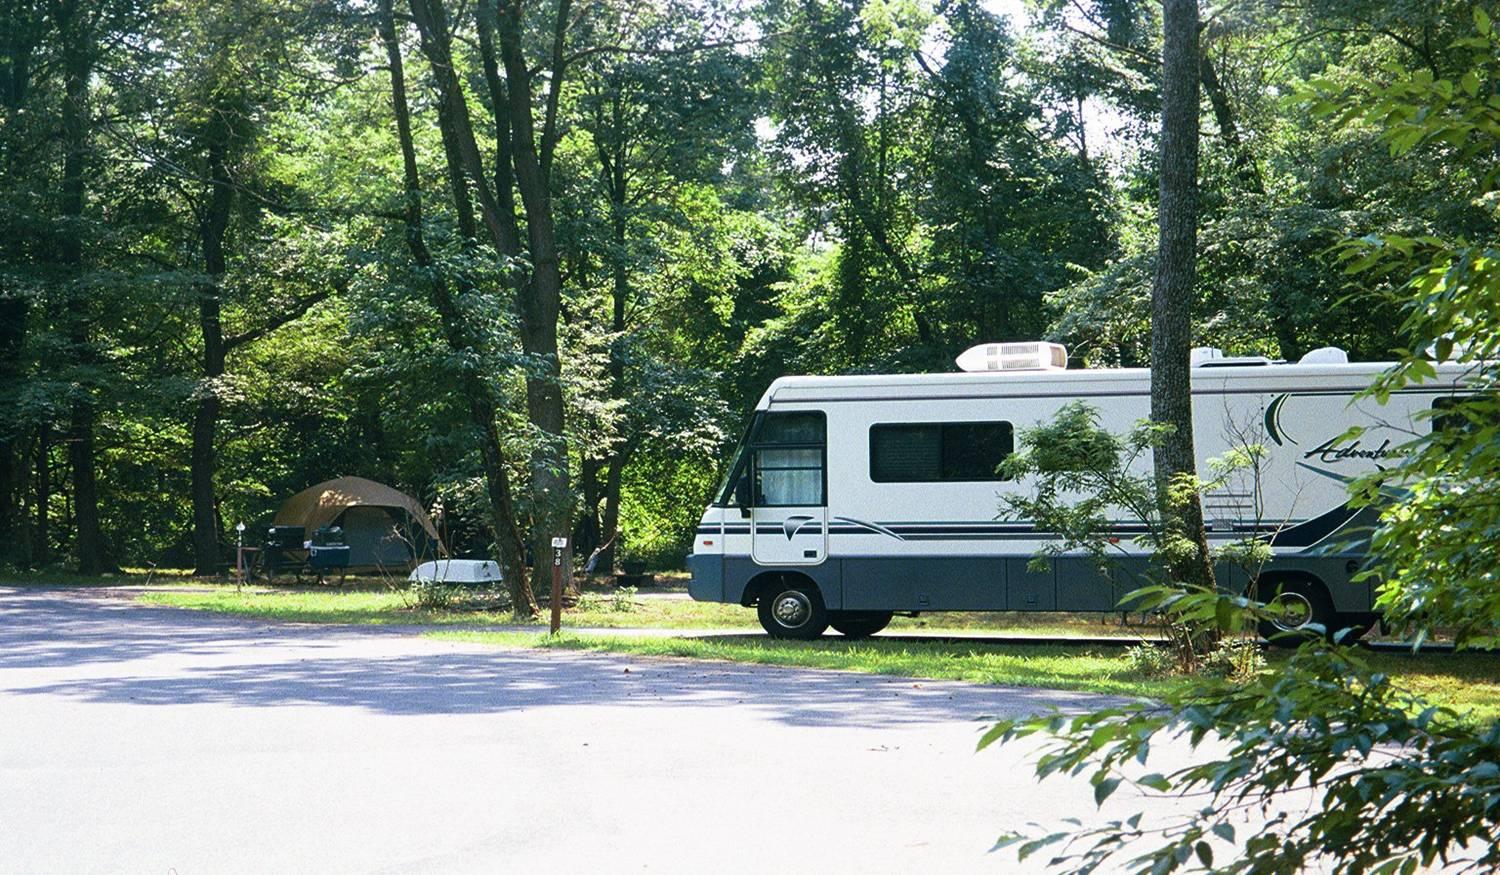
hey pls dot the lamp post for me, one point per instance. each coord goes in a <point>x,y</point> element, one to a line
<point>239,555</point>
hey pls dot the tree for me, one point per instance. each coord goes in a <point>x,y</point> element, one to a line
<point>529,148</point>
<point>76,23</point>
<point>661,127</point>
<point>1172,299</point>
<point>462,340</point>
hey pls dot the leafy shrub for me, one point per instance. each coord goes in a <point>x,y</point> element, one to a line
<point>1236,658</point>
<point>433,595</point>
<point>1149,660</point>
<point>621,600</point>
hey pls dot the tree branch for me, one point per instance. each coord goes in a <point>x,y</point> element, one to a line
<point>296,311</point>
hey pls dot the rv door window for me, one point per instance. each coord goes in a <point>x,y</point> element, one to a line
<point>788,460</point>
<point>939,451</point>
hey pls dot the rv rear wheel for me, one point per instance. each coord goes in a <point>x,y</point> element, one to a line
<point>1304,605</point>
<point>792,611</point>
<point>859,624</point>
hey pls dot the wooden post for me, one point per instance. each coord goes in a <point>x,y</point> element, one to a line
<point>239,556</point>
<point>559,546</point>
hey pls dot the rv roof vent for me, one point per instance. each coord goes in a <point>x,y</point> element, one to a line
<point>1325,355</point>
<point>1032,356</point>
<point>1202,354</point>
<point>1213,357</point>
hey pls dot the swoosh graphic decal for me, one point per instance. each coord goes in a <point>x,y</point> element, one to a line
<point>877,529</point>
<point>1395,492</point>
<point>1273,420</point>
<point>793,524</point>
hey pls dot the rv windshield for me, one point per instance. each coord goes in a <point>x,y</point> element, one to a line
<point>724,496</point>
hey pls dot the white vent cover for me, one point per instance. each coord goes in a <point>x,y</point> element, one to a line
<point>1030,356</point>
<point>1325,355</point>
<point>1202,354</point>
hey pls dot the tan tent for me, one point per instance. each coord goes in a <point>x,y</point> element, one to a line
<point>383,526</point>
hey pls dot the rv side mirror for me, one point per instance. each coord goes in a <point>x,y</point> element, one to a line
<point>742,494</point>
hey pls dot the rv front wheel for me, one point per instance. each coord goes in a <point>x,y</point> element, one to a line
<point>792,611</point>
<point>859,624</point>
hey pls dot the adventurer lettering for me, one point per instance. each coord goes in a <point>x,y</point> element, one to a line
<point>1328,453</point>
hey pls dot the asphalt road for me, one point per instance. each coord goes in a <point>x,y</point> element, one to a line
<point>146,740</point>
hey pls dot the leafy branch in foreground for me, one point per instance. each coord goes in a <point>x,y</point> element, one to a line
<point>1390,784</point>
<point>1447,574</point>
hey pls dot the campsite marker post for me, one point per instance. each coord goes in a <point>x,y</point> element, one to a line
<point>239,554</point>
<point>558,546</point>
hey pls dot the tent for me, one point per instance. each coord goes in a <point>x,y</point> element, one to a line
<point>383,527</point>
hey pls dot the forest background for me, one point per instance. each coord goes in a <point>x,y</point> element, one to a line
<point>536,259</point>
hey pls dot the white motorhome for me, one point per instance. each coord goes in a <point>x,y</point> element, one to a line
<point>854,498</point>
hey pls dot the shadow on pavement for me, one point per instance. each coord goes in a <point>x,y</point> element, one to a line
<point>152,656</point>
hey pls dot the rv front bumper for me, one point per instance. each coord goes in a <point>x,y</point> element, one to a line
<point>707,583</point>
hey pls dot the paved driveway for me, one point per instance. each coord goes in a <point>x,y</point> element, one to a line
<point>146,740</point>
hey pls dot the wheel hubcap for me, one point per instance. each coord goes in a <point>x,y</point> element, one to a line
<point>1296,611</point>
<point>792,609</point>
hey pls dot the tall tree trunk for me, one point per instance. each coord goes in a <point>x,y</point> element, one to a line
<point>610,530</point>
<point>207,554</point>
<point>13,324</point>
<point>88,543</point>
<point>1172,291</point>
<point>41,549</point>
<point>482,409</point>
<point>618,182</point>
<point>541,299</point>
<point>586,537</point>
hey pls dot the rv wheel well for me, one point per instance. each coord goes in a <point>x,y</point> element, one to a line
<point>1266,583</point>
<point>761,583</point>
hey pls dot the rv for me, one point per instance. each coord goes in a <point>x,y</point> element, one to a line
<point>854,498</point>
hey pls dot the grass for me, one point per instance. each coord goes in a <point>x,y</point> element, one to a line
<point>368,606</point>
<point>58,577</point>
<point>1466,682</point>
<point>391,607</point>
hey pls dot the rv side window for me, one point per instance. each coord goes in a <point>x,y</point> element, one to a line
<point>939,451</point>
<point>1448,420</point>
<point>788,460</point>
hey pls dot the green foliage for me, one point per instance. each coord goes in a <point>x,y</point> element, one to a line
<point>1237,658</point>
<point>1151,661</point>
<point>432,595</point>
<point>620,600</point>
<point>1084,479</point>
<point>1440,574</point>
<point>1395,779</point>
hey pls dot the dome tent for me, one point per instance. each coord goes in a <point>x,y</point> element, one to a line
<point>383,526</point>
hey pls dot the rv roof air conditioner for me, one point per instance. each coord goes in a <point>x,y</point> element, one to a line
<point>1033,356</point>
<point>1325,355</point>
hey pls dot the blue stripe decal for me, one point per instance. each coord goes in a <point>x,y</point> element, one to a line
<point>1284,534</point>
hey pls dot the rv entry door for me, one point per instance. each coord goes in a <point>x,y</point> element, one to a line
<point>789,519</point>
